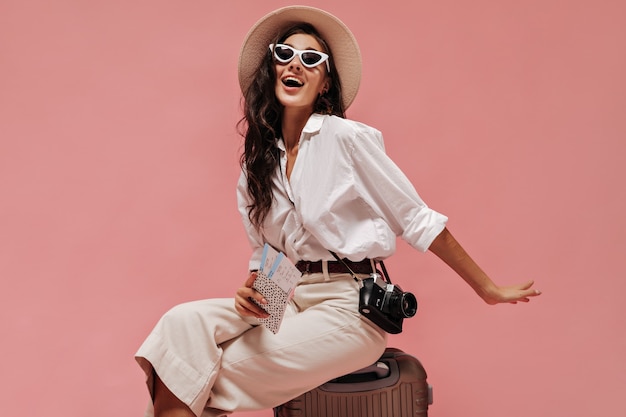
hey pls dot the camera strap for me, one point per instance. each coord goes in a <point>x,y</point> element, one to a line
<point>382,266</point>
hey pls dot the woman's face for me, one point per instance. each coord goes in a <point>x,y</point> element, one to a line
<point>296,85</point>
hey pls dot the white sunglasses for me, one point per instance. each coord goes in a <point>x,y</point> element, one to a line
<point>310,58</point>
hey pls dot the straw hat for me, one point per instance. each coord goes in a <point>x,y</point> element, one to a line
<point>344,48</point>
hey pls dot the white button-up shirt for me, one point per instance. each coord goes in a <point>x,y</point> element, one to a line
<point>344,194</point>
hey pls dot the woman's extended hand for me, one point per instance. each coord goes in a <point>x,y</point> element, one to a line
<point>244,297</point>
<point>511,294</point>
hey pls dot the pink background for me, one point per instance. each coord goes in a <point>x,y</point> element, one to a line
<point>118,161</point>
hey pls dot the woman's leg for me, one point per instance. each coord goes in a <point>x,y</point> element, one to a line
<point>183,351</point>
<point>167,404</point>
<point>212,359</point>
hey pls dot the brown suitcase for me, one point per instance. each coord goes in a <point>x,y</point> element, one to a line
<point>395,386</point>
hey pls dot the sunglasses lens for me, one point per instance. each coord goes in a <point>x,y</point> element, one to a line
<point>310,58</point>
<point>283,53</point>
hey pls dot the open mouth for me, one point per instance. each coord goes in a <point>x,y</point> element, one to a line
<point>292,82</point>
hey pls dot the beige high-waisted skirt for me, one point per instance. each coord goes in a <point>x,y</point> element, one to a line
<point>217,361</point>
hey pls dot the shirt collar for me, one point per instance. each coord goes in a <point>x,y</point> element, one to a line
<point>314,124</point>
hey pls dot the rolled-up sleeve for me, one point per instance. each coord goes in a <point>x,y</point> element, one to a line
<point>387,190</point>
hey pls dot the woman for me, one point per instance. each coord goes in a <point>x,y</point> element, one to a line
<point>312,181</point>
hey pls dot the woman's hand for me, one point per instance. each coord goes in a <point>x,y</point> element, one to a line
<point>511,294</point>
<point>244,297</point>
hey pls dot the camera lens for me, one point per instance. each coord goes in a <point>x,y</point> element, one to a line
<point>408,304</point>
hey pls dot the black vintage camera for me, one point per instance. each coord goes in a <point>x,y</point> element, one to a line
<point>384,303</point>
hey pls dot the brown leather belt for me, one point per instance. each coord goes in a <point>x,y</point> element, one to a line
<point>336,267</point>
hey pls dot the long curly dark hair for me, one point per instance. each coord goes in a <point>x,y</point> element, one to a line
<point>261,124</point>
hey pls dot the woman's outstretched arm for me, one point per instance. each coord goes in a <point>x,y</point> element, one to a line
<point>446,247</point>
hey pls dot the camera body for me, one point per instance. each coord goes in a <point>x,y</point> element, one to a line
<point>385,304</point>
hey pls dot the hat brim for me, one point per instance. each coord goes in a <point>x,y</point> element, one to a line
<point>342,43</point>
